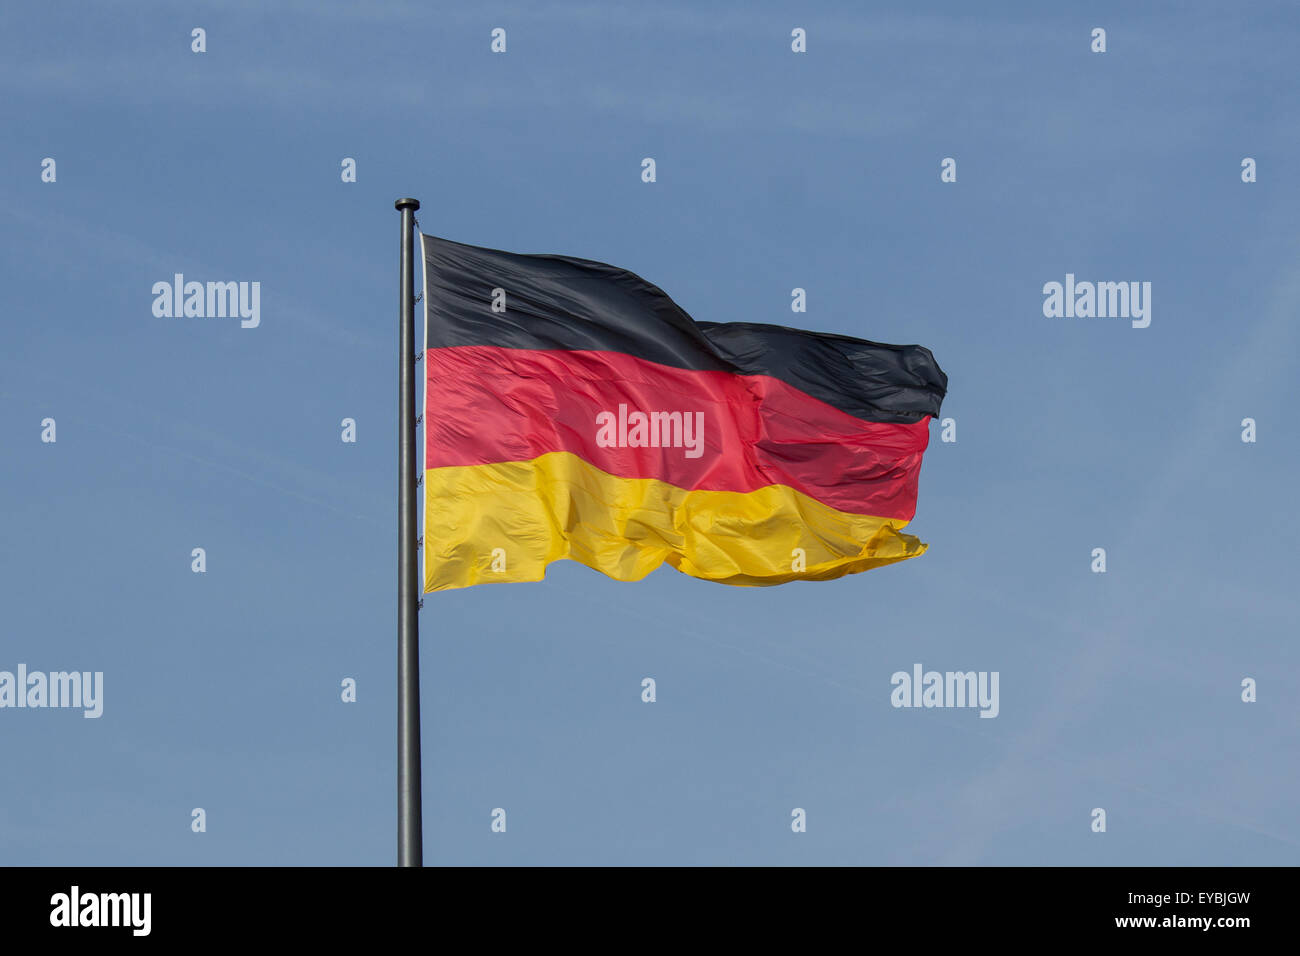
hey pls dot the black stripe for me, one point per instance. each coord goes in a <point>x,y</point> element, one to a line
<point>558,302</point>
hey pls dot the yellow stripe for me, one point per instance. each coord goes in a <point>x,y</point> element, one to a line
<point>508,521</point>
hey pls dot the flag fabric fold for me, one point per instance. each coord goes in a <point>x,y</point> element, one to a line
<point>573,410</point>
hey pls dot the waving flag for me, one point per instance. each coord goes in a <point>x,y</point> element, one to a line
<point>573,410</point>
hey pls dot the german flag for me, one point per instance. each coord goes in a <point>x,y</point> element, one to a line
<point>573,410</point>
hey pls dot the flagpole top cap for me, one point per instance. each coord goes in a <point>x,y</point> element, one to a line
<point>407,204</point>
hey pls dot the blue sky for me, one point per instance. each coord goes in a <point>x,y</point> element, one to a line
<point>775,170</point>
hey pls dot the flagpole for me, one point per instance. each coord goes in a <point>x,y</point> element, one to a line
<point>410,838</point>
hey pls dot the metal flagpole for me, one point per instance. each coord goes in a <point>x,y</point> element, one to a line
<point>410,839</point>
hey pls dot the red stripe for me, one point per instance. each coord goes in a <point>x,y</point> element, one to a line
<point>487,404</point>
